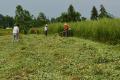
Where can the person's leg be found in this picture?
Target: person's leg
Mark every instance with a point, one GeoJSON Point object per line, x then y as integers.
{"type": "Point", "coordinates": [46, 32]}
{"type": "Point", "coordinates": [66, 33]}
{"type": "Point", "coordinates": [13, 36]}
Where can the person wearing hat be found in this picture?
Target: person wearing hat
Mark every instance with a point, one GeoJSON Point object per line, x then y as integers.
{"type": "Point", "coordinates": [46, 29]}
{"type": "Point", "coordinates": [16, 32]}
{"type": "Point", "coordinates": [66, 28]}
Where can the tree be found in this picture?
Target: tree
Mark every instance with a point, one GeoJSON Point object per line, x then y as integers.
{"type": "Point", "coordinates": [64, 17]}
{"type": "Point", "coordinates": [77, 16]}
{"type": "Point", "coordinates": [83, 19]}
{"type": "Point", "coordinates": [94, 13]}
{"type": "Point", "coordinates": [23, 18]}
{"type": "Point", "coordinates": [53, 20]}
{"type": "Point", "coordinates": [42, 19]}
{"type": "Point", "coordinates": [6, 21]}
{"type": "Point", "coordinates": [72, 14]}
{"type": "Point", "coordinates": [1, 20]}
{"type": "Point", "coordinates": [104, 13]}
{"type": "Point", "coordinates": [1, 17]}
{"type": "Point", "coordinates": [19, 18]}
{"type": "Point", "coordinates": [34, 22]}
{"type": "Point", "coordinates": [59, 19]}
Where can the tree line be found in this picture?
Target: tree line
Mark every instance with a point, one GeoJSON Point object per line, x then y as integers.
{"type": "Point", "coordinates": [26, 20]}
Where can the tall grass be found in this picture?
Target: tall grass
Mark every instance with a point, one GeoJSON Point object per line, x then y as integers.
{"type": "Point", "coordinates": [107, 30]}
{"type": "Point", "coordinates": [55, 28]}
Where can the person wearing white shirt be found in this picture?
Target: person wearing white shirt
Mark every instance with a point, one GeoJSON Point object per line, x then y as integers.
{"type": "Point", "coordinates": [16, 32]}
{"type": "Point", "coordinates": [46, 29]}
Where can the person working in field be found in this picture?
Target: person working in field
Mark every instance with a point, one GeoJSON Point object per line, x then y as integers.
{"type": "Point", "coordinates": [66, 28]}
{"type": "Point", "coordinates": [16, 33]}
{"type": "Point", "coordinates": [46, 29]}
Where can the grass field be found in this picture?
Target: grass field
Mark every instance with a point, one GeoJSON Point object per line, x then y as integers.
{"type": "Point", "coordinates": [36, 57]}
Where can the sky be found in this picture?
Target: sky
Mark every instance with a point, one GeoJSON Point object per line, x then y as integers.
{"type": "Point", "coordinates": [53, 8]}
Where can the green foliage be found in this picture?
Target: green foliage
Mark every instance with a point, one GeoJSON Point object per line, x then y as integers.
{"type": "Point", "coordinates": [104, 13]}
{"type": "Point", "coordinates": [6, 21]}
{"type": "Point", "coordinates": [53, 20]}
{"type": "Point", "coordinates": [94, 13]}
{"type": "Point", "coordinates": [83, 18]}
{"type": "Point", "coordinates": [41, 19]}
{"type": "Point", "coordinates": [23, 18]}
{"type": "Point", "coordinates": [70, 16]}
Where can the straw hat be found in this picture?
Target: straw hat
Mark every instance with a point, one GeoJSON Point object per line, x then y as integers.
{"type": "Point", "coordinates": [65, 23]}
